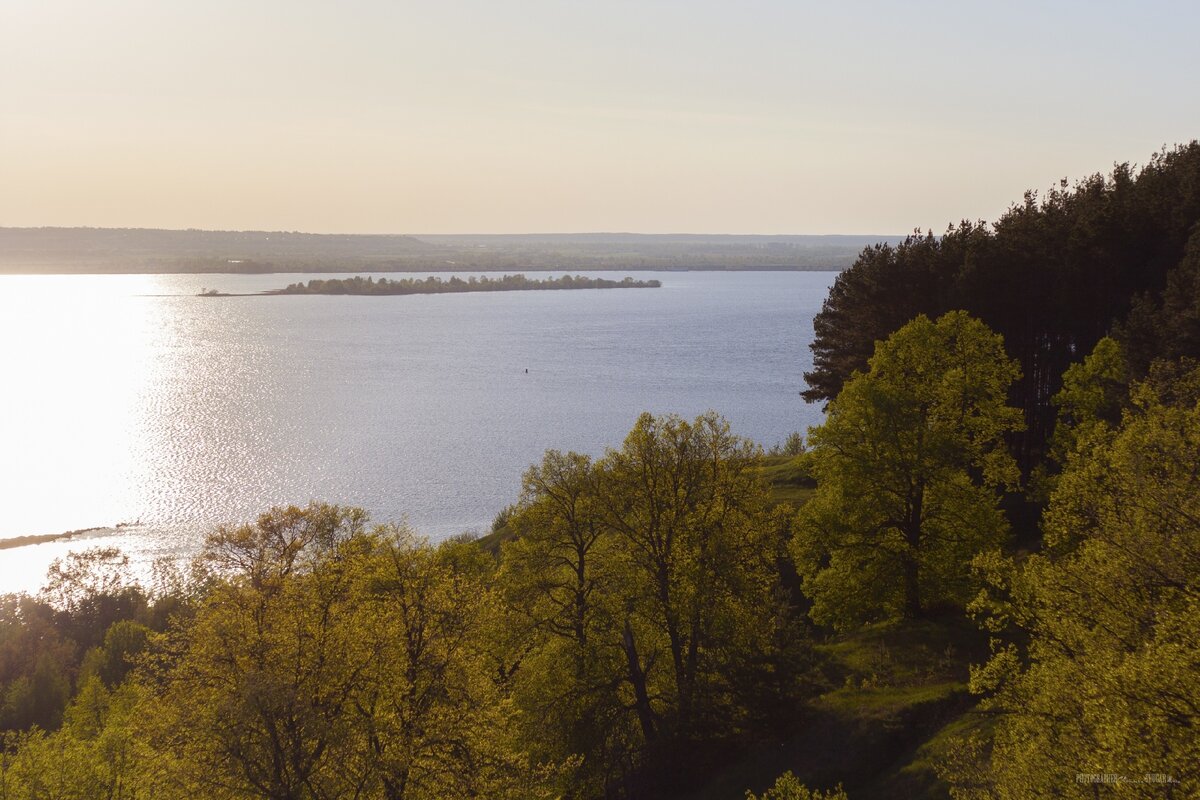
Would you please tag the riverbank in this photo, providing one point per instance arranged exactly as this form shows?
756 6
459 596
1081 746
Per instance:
46 538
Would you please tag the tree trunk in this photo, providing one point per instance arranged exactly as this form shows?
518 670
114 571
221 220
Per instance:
637 678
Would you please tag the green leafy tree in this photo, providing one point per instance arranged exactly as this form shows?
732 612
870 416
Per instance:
885 287
91 590
561 578
908 464
35 657
74 582
429 718
329 661
687 507
323 661
789 787
1108 682
124 642
792 446
645 595
97 753
1094 392
256 690
38 697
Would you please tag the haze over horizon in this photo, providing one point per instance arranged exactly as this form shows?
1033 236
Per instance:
765 118
473 233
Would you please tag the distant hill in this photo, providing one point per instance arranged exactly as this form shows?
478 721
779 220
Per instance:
146 250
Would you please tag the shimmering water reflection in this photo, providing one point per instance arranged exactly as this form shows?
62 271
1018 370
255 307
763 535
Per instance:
127 399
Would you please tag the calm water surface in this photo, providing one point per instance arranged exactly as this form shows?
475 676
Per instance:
127 399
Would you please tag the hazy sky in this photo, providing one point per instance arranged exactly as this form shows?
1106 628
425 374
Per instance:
524 115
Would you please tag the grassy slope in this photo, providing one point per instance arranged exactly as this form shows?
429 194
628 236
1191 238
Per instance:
900 694
788 480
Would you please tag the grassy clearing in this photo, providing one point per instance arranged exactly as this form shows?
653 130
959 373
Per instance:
898 697
906 654
789 481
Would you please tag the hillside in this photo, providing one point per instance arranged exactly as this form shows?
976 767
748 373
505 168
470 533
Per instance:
142 250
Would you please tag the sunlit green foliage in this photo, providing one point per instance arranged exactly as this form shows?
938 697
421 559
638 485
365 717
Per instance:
636 615
323 660
639 626
1108 682
87 621
337 662
907 464
792 446
98 752
561 581
1093 394
647 587
789 787
687 506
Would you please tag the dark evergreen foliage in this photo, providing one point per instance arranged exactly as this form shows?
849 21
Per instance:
1166 325
1053 275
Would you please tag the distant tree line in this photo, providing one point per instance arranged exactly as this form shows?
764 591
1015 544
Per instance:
436 285
132 250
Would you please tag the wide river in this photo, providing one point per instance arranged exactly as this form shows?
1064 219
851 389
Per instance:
129 400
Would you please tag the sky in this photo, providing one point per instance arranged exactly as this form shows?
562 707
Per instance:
539 116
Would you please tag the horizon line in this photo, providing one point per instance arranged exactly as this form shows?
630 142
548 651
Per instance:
418 235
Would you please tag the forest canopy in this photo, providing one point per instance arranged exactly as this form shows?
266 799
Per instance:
1056 273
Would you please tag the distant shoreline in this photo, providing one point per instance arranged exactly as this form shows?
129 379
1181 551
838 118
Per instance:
44 538
149 251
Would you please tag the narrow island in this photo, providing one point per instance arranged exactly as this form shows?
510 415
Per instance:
434 285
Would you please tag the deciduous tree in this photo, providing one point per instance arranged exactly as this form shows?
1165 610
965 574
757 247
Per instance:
1110 679
907 464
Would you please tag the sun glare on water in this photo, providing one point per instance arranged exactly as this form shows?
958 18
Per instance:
78 357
